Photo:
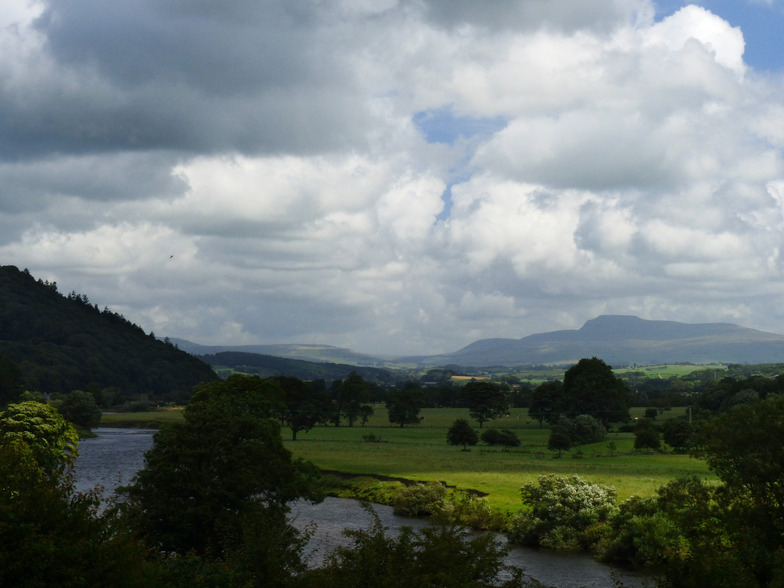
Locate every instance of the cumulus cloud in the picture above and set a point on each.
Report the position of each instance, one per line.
(273, 171)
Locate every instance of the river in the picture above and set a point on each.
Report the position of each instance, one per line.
(115, 455)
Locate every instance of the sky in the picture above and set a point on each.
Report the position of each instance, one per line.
(396, 176)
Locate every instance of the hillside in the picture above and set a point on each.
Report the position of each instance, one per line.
(313, 352)
(63, 343)
(624, 340)
(268, 366)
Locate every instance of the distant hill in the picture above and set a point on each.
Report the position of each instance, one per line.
(268, 366)
(64, 343)
(623, 340)
(315, 353)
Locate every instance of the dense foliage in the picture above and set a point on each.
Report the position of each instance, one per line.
(204, 478)
(64, 343)
(50, 440)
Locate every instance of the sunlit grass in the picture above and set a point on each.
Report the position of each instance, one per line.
(420, 452)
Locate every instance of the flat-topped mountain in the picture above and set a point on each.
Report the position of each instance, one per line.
(623, 340)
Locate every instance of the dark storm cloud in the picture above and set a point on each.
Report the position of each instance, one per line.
(254, 78)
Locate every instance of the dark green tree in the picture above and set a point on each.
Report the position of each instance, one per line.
(646, 435)
(560, 439)
(305, 404)
(52, 535)
(224, 464)
(590, 387)
(545, 398)
(486, 401)
(352, 393)
(80, 408)
(461, 433)
(11, 381)
(678, 434)
(404, 404)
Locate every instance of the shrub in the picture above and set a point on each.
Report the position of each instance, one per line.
(503, 437)
(587, 429)
(562, 510)
(419, 500)
(466, 509)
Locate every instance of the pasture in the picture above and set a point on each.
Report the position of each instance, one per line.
(421, 453)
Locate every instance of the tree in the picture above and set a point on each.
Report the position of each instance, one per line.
(351, 394)
(52, 441)
(305, 405)
(743, 447)
(461, 433)
(11, 382)
(404, 404)
(544, 399)
(80, 408)
(52, 535)
(678, 434)
(646, 435)
(486, 401)
(560, 439)
(224, 463)
(590, 387)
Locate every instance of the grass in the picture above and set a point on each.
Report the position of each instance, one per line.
(421, 453)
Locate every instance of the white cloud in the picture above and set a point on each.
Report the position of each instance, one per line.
(253, 173)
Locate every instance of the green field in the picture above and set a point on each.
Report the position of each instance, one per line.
(420, 452)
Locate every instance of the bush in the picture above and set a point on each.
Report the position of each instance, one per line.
(587, 429)
(503, 437)
(419, 500)
(562, 510)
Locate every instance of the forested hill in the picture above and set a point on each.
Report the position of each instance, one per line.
(64, 343)
(268, 366)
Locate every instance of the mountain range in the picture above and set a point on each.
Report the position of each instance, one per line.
(617, 339)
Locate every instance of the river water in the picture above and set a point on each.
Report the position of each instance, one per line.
(113, 457)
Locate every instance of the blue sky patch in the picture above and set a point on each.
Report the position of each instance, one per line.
(442, 126)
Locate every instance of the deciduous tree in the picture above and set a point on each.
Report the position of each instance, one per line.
(53, 442)
(404, 404)
(226, 460)
(461, 433)
(486, 401)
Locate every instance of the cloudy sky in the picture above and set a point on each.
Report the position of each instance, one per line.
(396, 176)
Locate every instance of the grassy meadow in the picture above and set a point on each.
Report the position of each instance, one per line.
(421, 453)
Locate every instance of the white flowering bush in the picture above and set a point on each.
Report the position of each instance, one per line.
(564, 512)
